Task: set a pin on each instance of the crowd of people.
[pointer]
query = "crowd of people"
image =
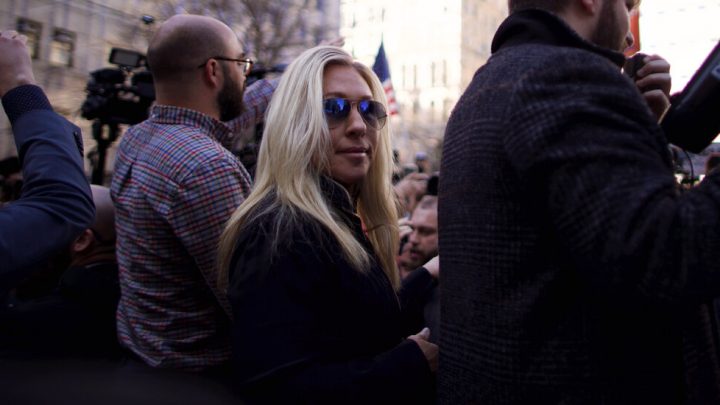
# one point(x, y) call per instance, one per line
point(574, 269)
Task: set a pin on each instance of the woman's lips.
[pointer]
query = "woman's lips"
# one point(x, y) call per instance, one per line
point(354, 152)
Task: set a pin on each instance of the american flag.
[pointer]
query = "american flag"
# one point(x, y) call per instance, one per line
point(382, 70)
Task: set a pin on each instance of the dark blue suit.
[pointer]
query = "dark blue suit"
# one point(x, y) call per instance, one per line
point(56, 203)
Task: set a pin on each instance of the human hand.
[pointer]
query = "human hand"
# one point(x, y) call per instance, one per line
point(433, 267)
point(15, 66)
point(430, 350)
point(654, 81)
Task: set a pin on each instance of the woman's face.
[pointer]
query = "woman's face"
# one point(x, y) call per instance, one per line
point(353, 141)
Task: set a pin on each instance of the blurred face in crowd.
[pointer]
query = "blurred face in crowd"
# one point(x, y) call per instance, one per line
point(230, 97)
point(353, 141)
point(613, 29)
point(423, 240)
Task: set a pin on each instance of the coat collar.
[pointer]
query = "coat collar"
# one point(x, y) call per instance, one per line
point(541, 27)
point(337, 195)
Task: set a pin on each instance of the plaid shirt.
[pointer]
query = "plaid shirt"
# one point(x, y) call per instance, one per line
point(174, 187)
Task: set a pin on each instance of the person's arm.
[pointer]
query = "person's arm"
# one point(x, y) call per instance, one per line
point(595, 164)
point(256, 100)
point(285, 339)
point(415, 292)
point(203, 204)
point(56, 203)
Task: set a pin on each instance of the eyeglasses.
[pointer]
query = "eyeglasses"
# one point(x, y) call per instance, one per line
point(338, 109)
point(246, 63)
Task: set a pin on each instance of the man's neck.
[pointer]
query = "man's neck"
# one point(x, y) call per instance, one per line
point(190, 100)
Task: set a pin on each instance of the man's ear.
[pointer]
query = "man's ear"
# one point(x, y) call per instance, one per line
point(591, 6)
point(83, 242)
point(211, 74)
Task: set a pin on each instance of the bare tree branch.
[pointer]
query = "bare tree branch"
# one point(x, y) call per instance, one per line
point(270, 30)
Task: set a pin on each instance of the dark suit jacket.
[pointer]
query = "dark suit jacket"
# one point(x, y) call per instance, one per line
point(308, 328)
point(56, 203)
point(570, 259)
point(75, 321)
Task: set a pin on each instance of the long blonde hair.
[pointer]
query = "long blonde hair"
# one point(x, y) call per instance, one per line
point(294, 154)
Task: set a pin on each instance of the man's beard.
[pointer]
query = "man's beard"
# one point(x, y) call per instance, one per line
point(607, 33)
point(230, 98)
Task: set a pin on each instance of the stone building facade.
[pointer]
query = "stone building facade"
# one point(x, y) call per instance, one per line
point(71, 38)
point(433, 48)
point(67, 40)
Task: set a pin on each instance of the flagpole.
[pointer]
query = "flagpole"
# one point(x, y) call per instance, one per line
point(381, 67)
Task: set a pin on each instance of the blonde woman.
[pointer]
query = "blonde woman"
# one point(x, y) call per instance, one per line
point(317, 317)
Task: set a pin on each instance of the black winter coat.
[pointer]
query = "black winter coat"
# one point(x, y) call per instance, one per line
point(308, 328)
point(571, 262)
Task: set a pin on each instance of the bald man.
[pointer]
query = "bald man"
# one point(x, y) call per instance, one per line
point(174, 187)
point(97, 243)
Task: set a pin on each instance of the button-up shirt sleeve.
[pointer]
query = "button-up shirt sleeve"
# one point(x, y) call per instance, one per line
point(203, 204)
point(256, 100)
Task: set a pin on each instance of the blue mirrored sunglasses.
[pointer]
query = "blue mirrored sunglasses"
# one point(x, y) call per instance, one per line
point(338, 109)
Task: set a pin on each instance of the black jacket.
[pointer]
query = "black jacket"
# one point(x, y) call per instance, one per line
point(571, 263)
point(308, 328)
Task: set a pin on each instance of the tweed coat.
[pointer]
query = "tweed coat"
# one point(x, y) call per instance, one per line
point(571, 261)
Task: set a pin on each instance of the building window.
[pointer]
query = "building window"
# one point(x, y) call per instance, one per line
point(62, 47)
point(432, 73)
point(447, 108)
point(444, 73)
point(415, 77)
point(32, 30)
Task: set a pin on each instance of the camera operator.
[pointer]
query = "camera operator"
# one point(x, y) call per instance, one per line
point(56, 204)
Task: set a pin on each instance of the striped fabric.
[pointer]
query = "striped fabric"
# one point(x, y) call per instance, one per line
point(174, 187)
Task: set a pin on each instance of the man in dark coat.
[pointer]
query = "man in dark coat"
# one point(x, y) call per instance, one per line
point(571, 263)
point(56, 204)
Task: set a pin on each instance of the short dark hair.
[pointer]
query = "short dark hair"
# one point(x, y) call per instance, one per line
point(554, 6)
point(712, 162)
point(428, 202)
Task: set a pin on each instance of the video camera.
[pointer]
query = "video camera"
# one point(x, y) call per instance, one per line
point(123, 95)
point(693, 120)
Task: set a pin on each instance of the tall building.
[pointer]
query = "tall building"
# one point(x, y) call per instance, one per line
point(683, 32)
point(68, 39)
point(433, 48)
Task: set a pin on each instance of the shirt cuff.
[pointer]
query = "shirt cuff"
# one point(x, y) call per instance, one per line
point(22, 99)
